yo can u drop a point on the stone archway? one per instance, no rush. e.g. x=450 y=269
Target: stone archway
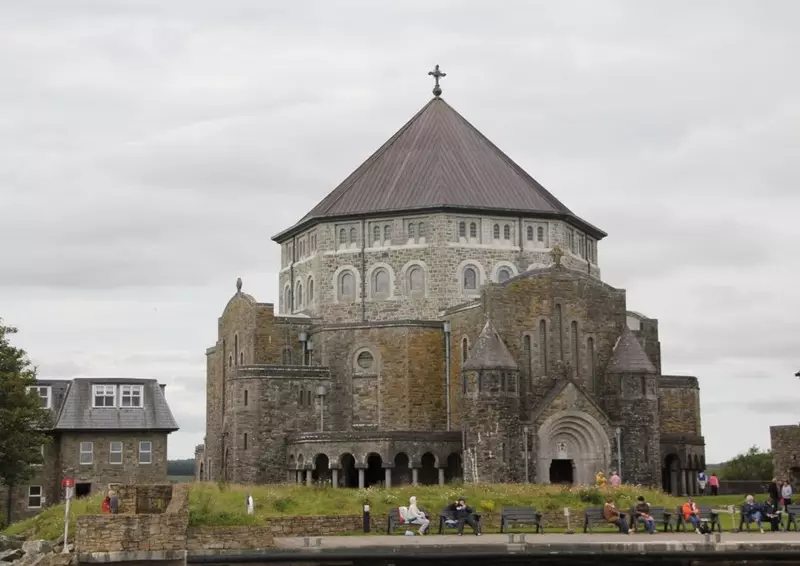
x=572 y=440
x=321 y=472
x=348 y=475
x=401 y=475
x=373 y=473
x=428 y=474
x=671 y=475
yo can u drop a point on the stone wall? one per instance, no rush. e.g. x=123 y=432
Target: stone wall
x=199 y=539
x=679 y=405
x=785 y=442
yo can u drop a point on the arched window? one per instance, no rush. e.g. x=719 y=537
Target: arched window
x=302 y=398
x=496 y=232
x=376 y=233
x=473 y=230
x=287 y=299
x=540 y=234
x=342 y=237
x=310 y=293
x=506 y=232
x=380 y=283
x=503 y=274
x=560 y=323
x=387 y=233
x=542 y=347
x=308 y=397
x=241 y=358
x=236 y=349
x=299 y=287
x=411 y=235
x=590 y=363
x=470 y=279
x=462 y=229
x=347 y=286
x=245 y=397
x=352 y=235
x=464 y=350
x=245 y=441
x=230 y=361
x=421 y=229
x=530 y=233
x=416 y=279
x=576 y=361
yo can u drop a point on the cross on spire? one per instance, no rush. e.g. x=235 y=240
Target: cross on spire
x=437 y=74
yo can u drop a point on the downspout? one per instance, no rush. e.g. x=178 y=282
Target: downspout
x=291 y=275
x=363 y=272
x=447 y=371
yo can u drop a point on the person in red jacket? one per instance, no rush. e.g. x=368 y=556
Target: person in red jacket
x=106 y=505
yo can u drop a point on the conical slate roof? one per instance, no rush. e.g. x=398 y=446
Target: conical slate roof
x=490 y=352
x=438 y=161
x=629 y=356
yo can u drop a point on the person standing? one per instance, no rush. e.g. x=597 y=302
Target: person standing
x=713 y=483
x=616 y=481
x=702 y=480
x=774 y=491
x=786 y=494
x=249 y=504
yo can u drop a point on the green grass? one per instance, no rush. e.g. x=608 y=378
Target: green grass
x=213 y=504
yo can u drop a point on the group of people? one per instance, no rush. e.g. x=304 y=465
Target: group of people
x=780 y=494
x=689 y=512
x=461 y=513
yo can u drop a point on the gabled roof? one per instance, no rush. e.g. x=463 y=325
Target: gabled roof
x=438 y=161
x=489 y=352
x=77 y=412
x=629 y=356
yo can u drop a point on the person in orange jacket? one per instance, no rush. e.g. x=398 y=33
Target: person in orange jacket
x=691 y=514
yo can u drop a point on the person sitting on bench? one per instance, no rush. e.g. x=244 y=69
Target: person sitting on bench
x=643 y=514
x=691 y=514
x=464 y=515
x=751 y=511
x=417 y=517
x=612 y=515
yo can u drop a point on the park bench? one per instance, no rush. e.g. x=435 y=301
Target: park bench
x=791 y=516
x=393 y=520
x=511 y=516
x=707 y=515
x=447 y=515
x=593 y=516
x=659 y=514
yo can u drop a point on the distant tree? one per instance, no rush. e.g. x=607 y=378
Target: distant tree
x=754 y=464
x=23 y=420
x=180 y=467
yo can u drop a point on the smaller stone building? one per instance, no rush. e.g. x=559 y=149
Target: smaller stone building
x=106 y=432
x=785 y=442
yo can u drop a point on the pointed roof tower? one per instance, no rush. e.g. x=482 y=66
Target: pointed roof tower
x=438 y=161
x=490 y=352
x=629 y=356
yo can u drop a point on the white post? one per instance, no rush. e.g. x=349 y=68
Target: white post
x=65 y=550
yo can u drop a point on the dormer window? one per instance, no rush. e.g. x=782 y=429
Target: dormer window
x=130 y=396
x=45 y=394
x=104 y=396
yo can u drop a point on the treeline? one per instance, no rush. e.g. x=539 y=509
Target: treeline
x=754 y=464
x=180 y=467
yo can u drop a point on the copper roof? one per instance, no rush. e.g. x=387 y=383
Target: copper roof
x=438 y=161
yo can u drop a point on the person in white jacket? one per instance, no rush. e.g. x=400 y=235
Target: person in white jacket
x=786 y=494
x=417 y=517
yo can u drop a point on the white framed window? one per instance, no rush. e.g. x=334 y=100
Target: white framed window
x=115 y=453
x=45 y=394
x=87 y=453
x=35 y=497
x=130 y=396
x=104 y=396
x=145 y=452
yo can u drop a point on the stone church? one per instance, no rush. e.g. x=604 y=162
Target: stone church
x=441 y=317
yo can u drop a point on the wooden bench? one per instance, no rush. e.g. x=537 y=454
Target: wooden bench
x=791 y=516
x=592 y=516
x=447 y=515
x=707 y=515
x=511 y=516
x=659 y=514
x=393 y=520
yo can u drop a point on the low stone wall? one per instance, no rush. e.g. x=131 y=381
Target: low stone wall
x=199 y=539
x=144 y=499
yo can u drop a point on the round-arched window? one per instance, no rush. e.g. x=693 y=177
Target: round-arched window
x=347 y=286
x=504 y=274
x=380 y=283
x=365 y=360
x=470 y=279
x=416 y=279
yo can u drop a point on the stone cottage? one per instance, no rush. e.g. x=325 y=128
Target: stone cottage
x=442 y=316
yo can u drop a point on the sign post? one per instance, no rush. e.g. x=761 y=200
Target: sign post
x=566 y=514
x=69 y=485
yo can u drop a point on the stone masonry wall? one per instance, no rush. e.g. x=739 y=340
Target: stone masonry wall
x=203 y=539
x=785 y=442
x=679 y=405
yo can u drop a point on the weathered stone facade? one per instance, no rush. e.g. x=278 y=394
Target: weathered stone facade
x=375 y=372
x=785 y=441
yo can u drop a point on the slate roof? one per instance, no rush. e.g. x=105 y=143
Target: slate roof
x=489 y=352
x=77 y=412
x=438 y=161
x=629 y=356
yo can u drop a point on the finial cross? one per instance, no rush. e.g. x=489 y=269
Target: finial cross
x=437 y=74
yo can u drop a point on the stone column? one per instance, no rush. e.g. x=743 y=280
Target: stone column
x=387 y=475
x=309 y=478
x=684 y=488
x=414 y=476
x=298 y=476
x=335 y=477
x=361 y=478
x=441 y=476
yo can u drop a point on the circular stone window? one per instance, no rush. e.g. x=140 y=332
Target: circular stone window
x=365 y=360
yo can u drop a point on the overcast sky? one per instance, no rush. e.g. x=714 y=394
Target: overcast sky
x=149 y=149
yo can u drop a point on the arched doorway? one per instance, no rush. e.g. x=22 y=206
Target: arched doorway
x=202 y=477
x=401 y=475
x=573 y=446
x=291 y=472
x=322 y=469
x=300 y=467
x=348 y=475
x=670 y=474
x=374 y=474
x=428 y=474
x=453 y=471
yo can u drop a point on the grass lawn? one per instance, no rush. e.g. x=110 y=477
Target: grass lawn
x=214 y=504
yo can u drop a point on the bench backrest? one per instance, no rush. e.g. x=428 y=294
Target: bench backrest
x=593 y=513
x=793 y=509
x=394 y=514
x=519 y=511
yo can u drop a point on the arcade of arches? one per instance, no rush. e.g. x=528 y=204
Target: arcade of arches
x=347 y=472
x=678 y=478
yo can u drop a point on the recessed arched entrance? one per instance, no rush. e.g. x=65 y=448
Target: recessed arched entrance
x=322 y=468
x=374 y=474
x=573 y=446
x=348 y=475
x=428 y=474
x=453 y=471
x=670 y=474
x=401 y=475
